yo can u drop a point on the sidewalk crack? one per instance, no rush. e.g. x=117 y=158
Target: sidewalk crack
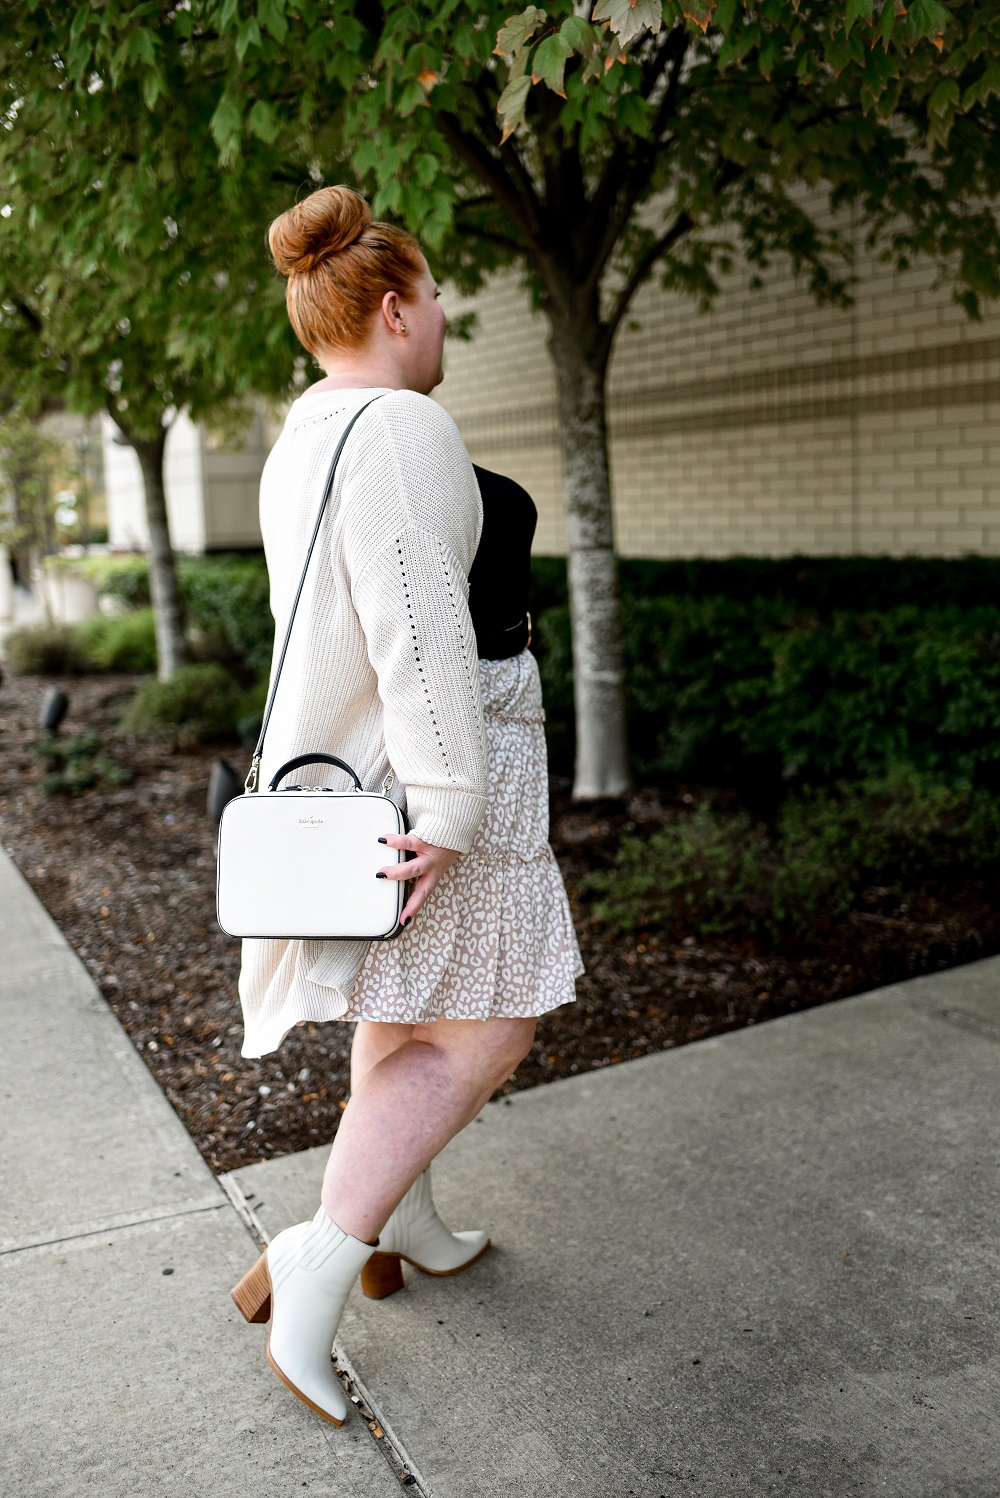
x=114 y=1227
x=391 y=1447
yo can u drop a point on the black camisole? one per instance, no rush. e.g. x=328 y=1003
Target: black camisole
x=500 y=575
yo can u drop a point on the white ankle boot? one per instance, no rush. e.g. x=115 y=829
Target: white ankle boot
x=416 y=1233
x=302 y=1281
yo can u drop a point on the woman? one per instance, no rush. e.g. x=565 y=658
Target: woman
x=389 y=669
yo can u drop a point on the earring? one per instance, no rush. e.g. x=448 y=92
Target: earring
x=402 y=326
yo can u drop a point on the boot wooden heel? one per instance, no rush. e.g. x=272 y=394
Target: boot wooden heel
x=382 y=1276
x=253 y=1293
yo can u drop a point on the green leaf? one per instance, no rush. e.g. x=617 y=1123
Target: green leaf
x=699 y=12
x=248 y=36
x=768 y=56
x=225 y=124
x=519 y=29
x=153 y=86
x=548 y=63
x=927 y=18
x=745 y=41
x=725 y=12
x=941 y=107
x=806 y=66
x=388 y=198
x=411 y=97
x=887 y=21
x=510 y=106
x=984 y=86
x=579 y=35
x=263 y=122
x=426 y=167
x=464 y=42
x=142 y=46
x=632 y=112
x=627 y=18
x=858 y=10
x=271 y=15
x=945 y=98
x=366 y=157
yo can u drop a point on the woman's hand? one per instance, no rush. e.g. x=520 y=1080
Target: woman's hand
x=426 y=869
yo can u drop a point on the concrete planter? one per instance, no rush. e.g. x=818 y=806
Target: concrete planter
x=72 y=596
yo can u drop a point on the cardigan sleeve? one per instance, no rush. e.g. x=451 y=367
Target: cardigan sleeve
x=412 y=521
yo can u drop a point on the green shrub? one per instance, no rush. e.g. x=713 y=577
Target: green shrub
x=76 y=764
x=122 y=575
x=226 y=597
x=761 y=692
x=196 y=702
x=822 y=585
x=863 y=692
x=250 y=713
x=44 y=650
x=120 y=642
x=723 y=873
x=903 y=830
x=694 y=872
x=228 y=606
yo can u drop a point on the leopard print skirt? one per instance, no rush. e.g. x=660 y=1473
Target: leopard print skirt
x=495 y=937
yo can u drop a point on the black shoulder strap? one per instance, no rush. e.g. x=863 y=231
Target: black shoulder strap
x=251 y=782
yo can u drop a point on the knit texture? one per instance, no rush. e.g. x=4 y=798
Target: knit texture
x=382 y=668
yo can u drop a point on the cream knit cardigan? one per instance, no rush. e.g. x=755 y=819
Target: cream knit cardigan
x=382 y=668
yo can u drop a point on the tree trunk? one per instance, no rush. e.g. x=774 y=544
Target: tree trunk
x=602 y=757
x=168 y=609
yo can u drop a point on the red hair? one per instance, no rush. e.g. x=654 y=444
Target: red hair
x=340 y=262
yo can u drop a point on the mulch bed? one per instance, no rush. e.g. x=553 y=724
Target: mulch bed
x=129 y=875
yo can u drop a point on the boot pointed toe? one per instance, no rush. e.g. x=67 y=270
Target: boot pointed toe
x=303 y=1278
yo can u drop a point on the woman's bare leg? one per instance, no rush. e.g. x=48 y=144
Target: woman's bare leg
x=373 y=1040
x=406 y=1107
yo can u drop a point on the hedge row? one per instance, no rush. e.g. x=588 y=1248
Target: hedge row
x=229 y=620
x=770 y=690
x=764 y=675
x=226 y=597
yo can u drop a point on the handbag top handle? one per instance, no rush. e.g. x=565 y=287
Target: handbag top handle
x=253 y=778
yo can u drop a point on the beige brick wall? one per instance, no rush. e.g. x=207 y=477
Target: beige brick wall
x=768 y=426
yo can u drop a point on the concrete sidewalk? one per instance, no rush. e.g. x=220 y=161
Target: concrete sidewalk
x=126 y=1370
x=765 y=1263
x=762 y=1264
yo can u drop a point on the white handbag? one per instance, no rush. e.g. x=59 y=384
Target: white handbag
x=299 y=862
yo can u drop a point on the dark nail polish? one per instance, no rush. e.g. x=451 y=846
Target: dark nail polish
x=406 y=920
x=382 y=840
x=380 y=876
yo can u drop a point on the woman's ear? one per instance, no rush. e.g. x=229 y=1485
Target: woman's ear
x=392 y=312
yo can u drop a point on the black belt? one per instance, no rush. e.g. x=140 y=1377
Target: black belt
x=507 y=642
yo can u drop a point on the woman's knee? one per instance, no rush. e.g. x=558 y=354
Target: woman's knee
x=512 y=1045
x=488 y=1050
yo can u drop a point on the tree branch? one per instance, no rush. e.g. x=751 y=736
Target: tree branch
x=493 y=172
x=629 y=166
x=490 y=236
x=507 y=152
x=640 y=271
x=729 y=172
x=29 y=314
x=482 y=200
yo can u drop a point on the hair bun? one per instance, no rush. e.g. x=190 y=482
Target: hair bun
x=326 y=221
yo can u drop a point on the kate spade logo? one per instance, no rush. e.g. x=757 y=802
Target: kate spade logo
x=310 y=821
